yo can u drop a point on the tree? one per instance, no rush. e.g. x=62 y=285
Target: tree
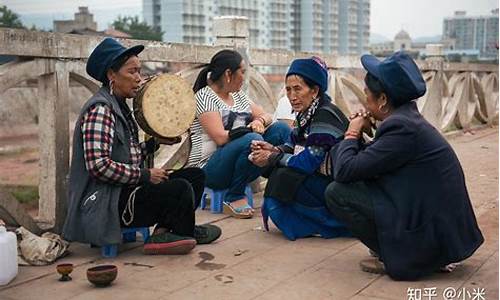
x=8 y=18
x=138 y=30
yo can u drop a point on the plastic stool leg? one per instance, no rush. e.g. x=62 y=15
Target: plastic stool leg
x=145 y=233
x=203 y=202
x=109 y=251
x=216 y=200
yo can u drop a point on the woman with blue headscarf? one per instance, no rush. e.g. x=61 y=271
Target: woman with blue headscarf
x=299 y=170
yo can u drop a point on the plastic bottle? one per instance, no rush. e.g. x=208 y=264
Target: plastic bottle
x=8 y=256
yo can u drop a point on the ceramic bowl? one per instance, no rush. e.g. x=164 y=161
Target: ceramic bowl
x=64 y=270
x=102 y=275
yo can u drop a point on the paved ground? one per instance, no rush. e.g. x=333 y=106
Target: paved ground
x=247 y=263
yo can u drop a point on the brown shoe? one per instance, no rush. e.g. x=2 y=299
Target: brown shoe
x=372 y=265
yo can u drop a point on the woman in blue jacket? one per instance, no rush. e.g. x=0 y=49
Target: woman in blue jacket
x=300 y=169
x=403 y=195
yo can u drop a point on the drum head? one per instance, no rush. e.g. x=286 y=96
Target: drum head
x=167 y=106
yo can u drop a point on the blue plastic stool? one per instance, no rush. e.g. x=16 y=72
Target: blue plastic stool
x=217 y=196
x=128 y=236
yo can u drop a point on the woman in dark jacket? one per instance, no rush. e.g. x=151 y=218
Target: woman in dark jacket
x=109 y=187
x=403 y=195
x=294 y=197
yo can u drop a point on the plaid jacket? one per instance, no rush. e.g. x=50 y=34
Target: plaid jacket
x=98 y=133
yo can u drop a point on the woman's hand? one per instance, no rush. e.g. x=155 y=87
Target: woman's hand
x=157 y=175
x=260 y=158
x=359 y=122
x=262 y=145
x=361 y=113
x=257 y=126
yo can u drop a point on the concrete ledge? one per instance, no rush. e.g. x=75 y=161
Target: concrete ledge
x=20 y=42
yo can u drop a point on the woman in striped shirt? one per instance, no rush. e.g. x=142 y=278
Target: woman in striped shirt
x=226 y=123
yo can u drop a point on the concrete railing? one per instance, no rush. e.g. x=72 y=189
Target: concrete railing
x=458 y=94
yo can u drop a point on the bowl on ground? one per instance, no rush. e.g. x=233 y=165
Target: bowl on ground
x=102 y=275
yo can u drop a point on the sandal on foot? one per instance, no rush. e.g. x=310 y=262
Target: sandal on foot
x=242 y=212
x=372 y=265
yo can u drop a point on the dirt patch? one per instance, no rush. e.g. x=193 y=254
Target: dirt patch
x=21 y=168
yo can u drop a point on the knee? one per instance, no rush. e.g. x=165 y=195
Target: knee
x=187 y=193
x=249 y=137
x=278 y=133
x=197 y=175
x=281 y=127
x=333 y=196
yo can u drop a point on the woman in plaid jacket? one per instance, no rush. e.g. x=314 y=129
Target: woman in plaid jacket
x=109 y=187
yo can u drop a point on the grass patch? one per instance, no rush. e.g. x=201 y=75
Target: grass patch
x=24 y=194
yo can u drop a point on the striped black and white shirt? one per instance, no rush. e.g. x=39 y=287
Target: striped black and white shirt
x=202 y=146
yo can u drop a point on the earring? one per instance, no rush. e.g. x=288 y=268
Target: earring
x=111 y=87
x=380 y=109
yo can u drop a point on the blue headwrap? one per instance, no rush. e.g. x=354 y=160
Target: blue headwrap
x=311 y=68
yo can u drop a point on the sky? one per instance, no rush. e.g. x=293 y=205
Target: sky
x=420 y=18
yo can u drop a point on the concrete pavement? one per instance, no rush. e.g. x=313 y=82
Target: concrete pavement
x=248 y=263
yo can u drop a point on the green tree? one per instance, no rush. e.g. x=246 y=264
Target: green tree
x=138 y=30
x=8 y=18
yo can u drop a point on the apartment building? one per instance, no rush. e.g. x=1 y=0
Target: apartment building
x=473 y=33
x=329 y=26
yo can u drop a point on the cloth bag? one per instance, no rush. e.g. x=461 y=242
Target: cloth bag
x=39 y=250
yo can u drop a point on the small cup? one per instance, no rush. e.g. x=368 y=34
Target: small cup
x=64 y=270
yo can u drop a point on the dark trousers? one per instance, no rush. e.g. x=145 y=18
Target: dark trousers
x=169 y=204
x=351 y=204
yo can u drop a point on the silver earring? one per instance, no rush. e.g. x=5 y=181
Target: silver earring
x=111 y=87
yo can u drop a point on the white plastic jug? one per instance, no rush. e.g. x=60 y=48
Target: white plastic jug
x=8 y=256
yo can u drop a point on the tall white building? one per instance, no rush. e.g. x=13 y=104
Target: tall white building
x=328 y=26
x=354 y=26
x=473 y=32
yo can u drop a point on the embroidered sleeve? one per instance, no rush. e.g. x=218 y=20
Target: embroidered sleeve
x=324 y=133
x=98 y=133
x=307 y=161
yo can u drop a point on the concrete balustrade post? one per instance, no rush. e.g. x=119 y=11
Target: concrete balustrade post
x=435 y=55
x=53 y=95
x=435 y=99
x=233 y=32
